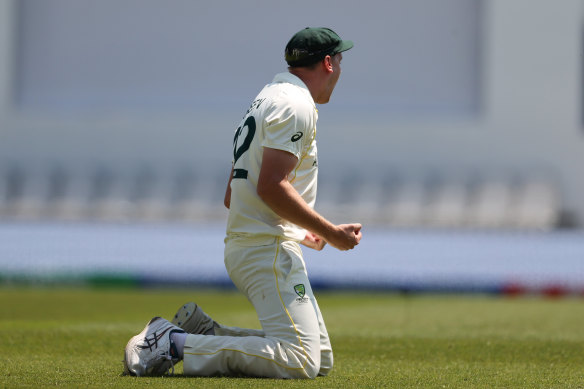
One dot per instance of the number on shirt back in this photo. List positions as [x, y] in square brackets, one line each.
[240, 149]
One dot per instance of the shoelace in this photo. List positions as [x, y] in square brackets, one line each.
[171, 350]
[169, 357]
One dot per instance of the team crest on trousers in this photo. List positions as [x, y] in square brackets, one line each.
[301, 292]
[299, 289]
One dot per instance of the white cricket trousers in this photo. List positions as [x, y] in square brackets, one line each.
[294, 342]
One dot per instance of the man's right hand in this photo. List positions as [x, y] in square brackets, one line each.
[345, 236]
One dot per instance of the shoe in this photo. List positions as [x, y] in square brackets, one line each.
[191, 318]
[151, 352]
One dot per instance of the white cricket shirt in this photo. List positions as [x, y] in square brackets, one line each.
[283, 116]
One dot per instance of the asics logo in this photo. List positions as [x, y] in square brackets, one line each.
[153, 341]
[296, 137]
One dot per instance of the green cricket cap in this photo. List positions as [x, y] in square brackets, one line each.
[312, 44]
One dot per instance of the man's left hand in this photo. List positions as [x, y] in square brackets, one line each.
[313, 241]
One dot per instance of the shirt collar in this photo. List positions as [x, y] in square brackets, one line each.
[294, 80]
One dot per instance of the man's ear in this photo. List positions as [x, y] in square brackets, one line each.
[327, 62]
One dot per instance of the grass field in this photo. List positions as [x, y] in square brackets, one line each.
[74, 337]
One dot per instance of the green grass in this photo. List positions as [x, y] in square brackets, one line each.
[74, 337]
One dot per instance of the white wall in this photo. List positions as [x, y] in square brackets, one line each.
[125, 56]
[534, 96]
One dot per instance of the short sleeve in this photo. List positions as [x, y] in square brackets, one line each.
[285, 128]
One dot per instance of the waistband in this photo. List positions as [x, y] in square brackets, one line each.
[243, 239]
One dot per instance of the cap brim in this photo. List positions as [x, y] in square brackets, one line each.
[344, 46]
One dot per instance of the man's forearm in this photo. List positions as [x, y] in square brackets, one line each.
[278, 193]
[283, 199]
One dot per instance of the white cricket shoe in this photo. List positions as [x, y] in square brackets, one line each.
[151, 352]
[191, 318]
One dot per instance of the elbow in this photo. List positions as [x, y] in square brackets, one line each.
[227, 198]
[266, 191]
[262, 191]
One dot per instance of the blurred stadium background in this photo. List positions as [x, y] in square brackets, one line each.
[456, 135]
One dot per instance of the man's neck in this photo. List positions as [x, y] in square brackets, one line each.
[310, 79]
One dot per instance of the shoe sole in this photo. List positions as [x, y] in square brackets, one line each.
[182, 316]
